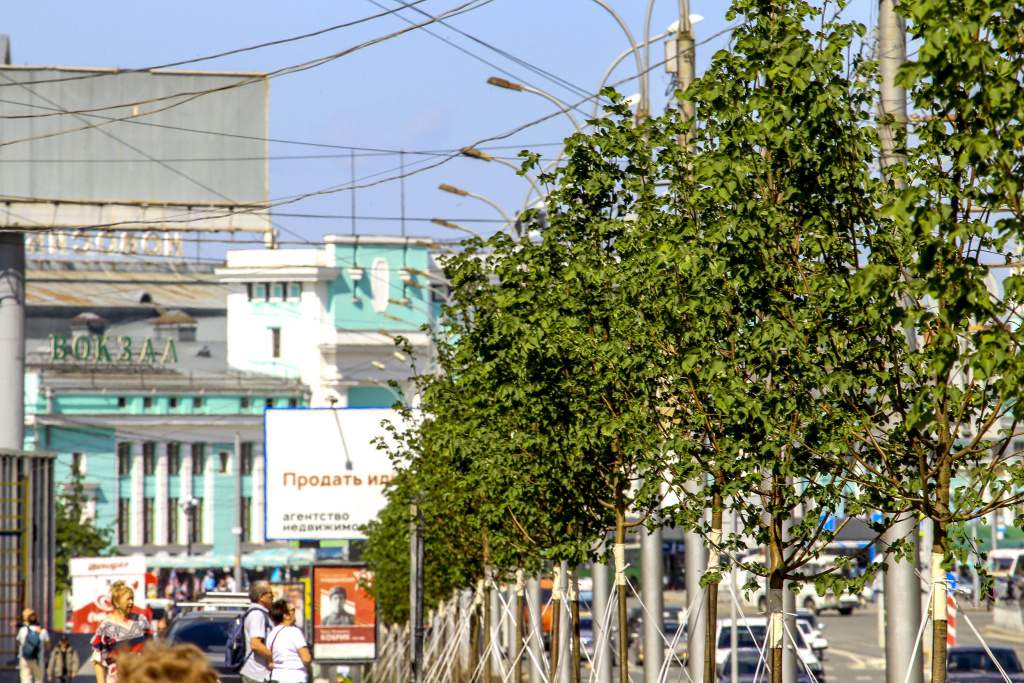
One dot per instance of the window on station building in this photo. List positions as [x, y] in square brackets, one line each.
[258, 291]
[277, 290]
[246, 519]
[122, 402]
[78, 463]
[173, 458]
[148, 511]
[197, 402]
[124, 459]
[247, 457]
[172, 402]
[147, 402]
[197, 522]
[293, 403]
[198, 458]
[294, 291]
[172, 521]
[269, 403]
[124, 520]
[224, 462]
[245, 403]
[275, 342]
[149, 458]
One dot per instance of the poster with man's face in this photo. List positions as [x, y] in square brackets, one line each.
[344, 616]
[295, 594]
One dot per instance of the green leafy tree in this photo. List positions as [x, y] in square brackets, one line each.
[76, 533]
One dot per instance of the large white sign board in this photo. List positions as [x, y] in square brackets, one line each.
[325, 477]
[91, 578]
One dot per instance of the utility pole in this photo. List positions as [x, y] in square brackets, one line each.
[686, 66]
[12, 325]
[536, 637]
[416, 593]
[902, 601]
[238, 511]
[652, 571]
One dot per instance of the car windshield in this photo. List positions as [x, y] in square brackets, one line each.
[747, 664]
[751, 635]
[1003, 563]
[208, 636]
[978, 660]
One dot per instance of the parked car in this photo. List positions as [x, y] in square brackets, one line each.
[751, 632]
[209, 632]
[671, 628]
[751, 669]
[972, 664]
[811, 628]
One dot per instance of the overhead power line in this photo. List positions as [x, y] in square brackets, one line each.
[189, 96]
[216, 56]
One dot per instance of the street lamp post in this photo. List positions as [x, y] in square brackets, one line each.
[189, 508]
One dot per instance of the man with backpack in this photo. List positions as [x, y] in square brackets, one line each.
[33, 642]
[247, 650]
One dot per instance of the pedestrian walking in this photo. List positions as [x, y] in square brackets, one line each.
[121, 633]
[288, 645]
[64, 663]
[255, 627]
[32, 642]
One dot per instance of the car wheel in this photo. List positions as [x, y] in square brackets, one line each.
[846, 611]
[762, 604]
[811, 607]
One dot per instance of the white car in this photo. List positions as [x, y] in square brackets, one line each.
[752, 632]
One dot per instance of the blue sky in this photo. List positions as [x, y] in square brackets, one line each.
[413, 92]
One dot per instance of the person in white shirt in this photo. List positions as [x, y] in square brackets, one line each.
[256, 668]
[31, 638]
[288, 646]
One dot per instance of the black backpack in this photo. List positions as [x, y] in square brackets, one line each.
[234, 652]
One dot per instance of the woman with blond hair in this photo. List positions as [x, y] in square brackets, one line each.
[122, 632]
[161, 664]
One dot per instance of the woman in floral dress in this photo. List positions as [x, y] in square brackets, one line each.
[122, 632]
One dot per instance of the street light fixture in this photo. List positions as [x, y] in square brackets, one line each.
[466, 193]
[509, 85]
[189, 508]
[453, 226]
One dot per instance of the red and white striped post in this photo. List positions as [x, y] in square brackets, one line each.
[950, 621]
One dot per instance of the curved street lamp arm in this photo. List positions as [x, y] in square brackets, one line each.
[642, 109]
[604, 79]
[558, 103]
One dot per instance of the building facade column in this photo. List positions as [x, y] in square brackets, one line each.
[208, 492]
[160, 512]
[184, 494]
[258, 493]
[138, 495]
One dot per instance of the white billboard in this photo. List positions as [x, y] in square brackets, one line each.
[325, 477]
[91, 578]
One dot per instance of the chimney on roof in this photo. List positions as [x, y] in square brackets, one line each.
[175, 323]
[85, 324]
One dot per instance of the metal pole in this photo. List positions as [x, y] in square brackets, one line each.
[415, 594]
[789, 655]
[238, 511]
[12, 340]
[903, 607]
[536, 638]
[892, 53]
[733, 612]
[652, 568]
[602, 648]
[696, 559]
[686, 65]
[565, 632]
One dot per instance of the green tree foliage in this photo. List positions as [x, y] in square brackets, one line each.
[76, 533]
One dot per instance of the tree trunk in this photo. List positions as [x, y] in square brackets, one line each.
[520, 644]
[619, 552]
[457, 664]
[556, 618]
[574, 605]
[939, 616]
[711, 625]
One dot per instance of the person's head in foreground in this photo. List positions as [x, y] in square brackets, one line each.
[159, 663]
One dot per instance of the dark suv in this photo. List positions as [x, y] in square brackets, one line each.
[209, 632]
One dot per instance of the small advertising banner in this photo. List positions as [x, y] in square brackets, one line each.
[91, 578]
[295, 594]
[344, 616]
